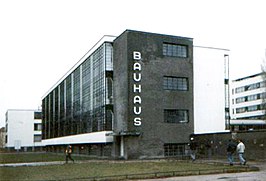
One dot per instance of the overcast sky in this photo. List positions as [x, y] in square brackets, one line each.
[40, 40]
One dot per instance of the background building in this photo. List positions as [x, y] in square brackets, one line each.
[132, 96]
[247, 103]
[2, 137]
[23, 129]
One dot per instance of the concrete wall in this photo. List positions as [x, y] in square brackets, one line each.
[216, 144]
[154, 99]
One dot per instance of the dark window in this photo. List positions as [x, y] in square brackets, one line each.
[175, 50]
[37, 138]
[37, 126]
[173, 149]
[175, 83]
[37, 115]
[175, 116]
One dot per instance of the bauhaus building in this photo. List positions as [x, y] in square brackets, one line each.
[130, 96]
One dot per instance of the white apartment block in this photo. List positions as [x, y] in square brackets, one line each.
[23, 129]
[247, 103]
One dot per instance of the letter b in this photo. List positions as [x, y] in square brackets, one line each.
[136, 55]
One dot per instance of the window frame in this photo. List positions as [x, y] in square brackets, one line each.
[175, 50]
[176, 116]
[174, 83]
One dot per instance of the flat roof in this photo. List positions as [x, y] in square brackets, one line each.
[214, 48]
[247, 77]
[159, 34]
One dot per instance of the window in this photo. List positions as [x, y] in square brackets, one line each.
[249, 87]
[175, 83]
[175, 116]
[37, 138]
[241, 99]
[241, 110]
[253, 108]
[173, 149]
[37, 127]
[175, 50]
[37, 115]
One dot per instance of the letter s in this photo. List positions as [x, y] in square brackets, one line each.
[137, 121]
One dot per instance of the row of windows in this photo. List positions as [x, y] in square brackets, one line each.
[250, 98]
[249, 87]
[249, 109]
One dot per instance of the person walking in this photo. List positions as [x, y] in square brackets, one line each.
[231, 148]
[241, 150]
[68, 153]
[193, 149]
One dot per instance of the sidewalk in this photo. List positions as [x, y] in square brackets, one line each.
[32, 164]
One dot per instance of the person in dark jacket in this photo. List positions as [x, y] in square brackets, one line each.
[231, 148]
[68, 153]
[193, 149]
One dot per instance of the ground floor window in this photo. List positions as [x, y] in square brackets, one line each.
[175, 149]
[175, 116]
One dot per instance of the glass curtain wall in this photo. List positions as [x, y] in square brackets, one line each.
[82, 102]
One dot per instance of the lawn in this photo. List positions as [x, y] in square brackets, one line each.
[100, 168]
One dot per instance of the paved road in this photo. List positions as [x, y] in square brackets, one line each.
[245, 176]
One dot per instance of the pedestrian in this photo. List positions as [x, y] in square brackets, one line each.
[68, 153]
[193, 149]
[241, 150]
[231, 148]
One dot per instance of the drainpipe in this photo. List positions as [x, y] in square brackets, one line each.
[122, 147]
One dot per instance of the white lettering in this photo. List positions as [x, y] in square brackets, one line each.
[137, 79]
[137, 99]
[137, 111]
[136, 55]
[137, 66]
[136, 88]
[137, 121]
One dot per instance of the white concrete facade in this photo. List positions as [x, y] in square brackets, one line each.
[23, 130]
[209, 89]
[95, 137]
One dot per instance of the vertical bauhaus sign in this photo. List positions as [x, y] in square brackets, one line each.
[137, 121]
